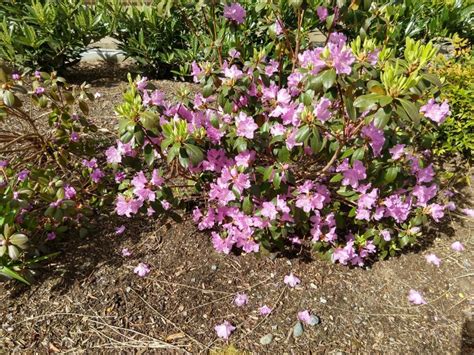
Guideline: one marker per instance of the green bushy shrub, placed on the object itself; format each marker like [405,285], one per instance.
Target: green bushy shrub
[48,34]
[456,135]
[49,178]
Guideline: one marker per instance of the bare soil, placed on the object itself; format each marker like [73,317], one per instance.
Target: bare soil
[89,299]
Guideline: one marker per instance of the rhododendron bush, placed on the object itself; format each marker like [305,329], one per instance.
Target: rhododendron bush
[330,154]
[50,180]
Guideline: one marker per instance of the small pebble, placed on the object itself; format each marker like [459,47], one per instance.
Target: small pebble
[266,339]
[312,285]
[314,320]
[323,300]
[298,329]
[213,267]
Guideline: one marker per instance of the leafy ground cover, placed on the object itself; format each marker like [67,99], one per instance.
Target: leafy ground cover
[90,298]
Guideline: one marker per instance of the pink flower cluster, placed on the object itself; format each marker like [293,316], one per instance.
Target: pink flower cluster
[256,188]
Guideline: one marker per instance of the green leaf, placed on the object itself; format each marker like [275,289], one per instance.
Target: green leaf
[149,120]
[328,78]
[381,117]
[9,99]
[390,174]
[412,111]
[337,178]
[302,134]
[369,100]
[315,141]
[194,152]
[14,275]
[247,205]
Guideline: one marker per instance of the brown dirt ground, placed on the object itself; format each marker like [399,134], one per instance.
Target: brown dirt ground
[88,298]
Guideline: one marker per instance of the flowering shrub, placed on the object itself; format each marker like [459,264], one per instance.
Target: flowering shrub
[48,183]
[328,155]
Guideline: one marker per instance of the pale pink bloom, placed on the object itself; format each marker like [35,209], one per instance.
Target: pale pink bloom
[246,126]
[224,330]
[241,299]
[291,280]
[457,246]
[468,212]
[235,12]
[126,252]
[433,259]
[322,13]
[264,310]
[142,270]
[119,230]
[304,316]
[415,297]
[436,112]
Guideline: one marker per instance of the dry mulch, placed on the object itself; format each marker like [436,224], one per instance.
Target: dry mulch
[89,299]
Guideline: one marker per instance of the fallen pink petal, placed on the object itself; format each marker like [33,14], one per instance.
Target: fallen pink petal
[224,330]
[415,297]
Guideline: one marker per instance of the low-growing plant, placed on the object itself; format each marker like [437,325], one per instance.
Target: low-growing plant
[50,181]
[47,34]
[331,154]
[456,134]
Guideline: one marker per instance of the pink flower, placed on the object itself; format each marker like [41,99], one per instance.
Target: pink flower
[436,211]
[126,252]
[322,109]
[75,137]
[246,126]
[224,330]
[142,270]
[468,212]
[269,210]
[233,73]
[113,155]
[241,299]
[341,57]
[127,206]
[376,137]
[120,230]
[196,71]
[69,192]
[142,83]
[353,175]
[457,246]
[436,112]
[97,175]
[386,235]
[415,297]
[264,310]
[22,175]
[51,236]
[222,245]
[291,280]
[433,259]
[397,208]
[424,193]
[278,27]
[322,13]
[397,151]
[304,316]
[39,90]
[235,12]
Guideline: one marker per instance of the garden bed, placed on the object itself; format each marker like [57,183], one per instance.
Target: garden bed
[90,298]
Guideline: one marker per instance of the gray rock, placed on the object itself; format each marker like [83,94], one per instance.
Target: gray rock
[314,320]
[298,329]
[266,339]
